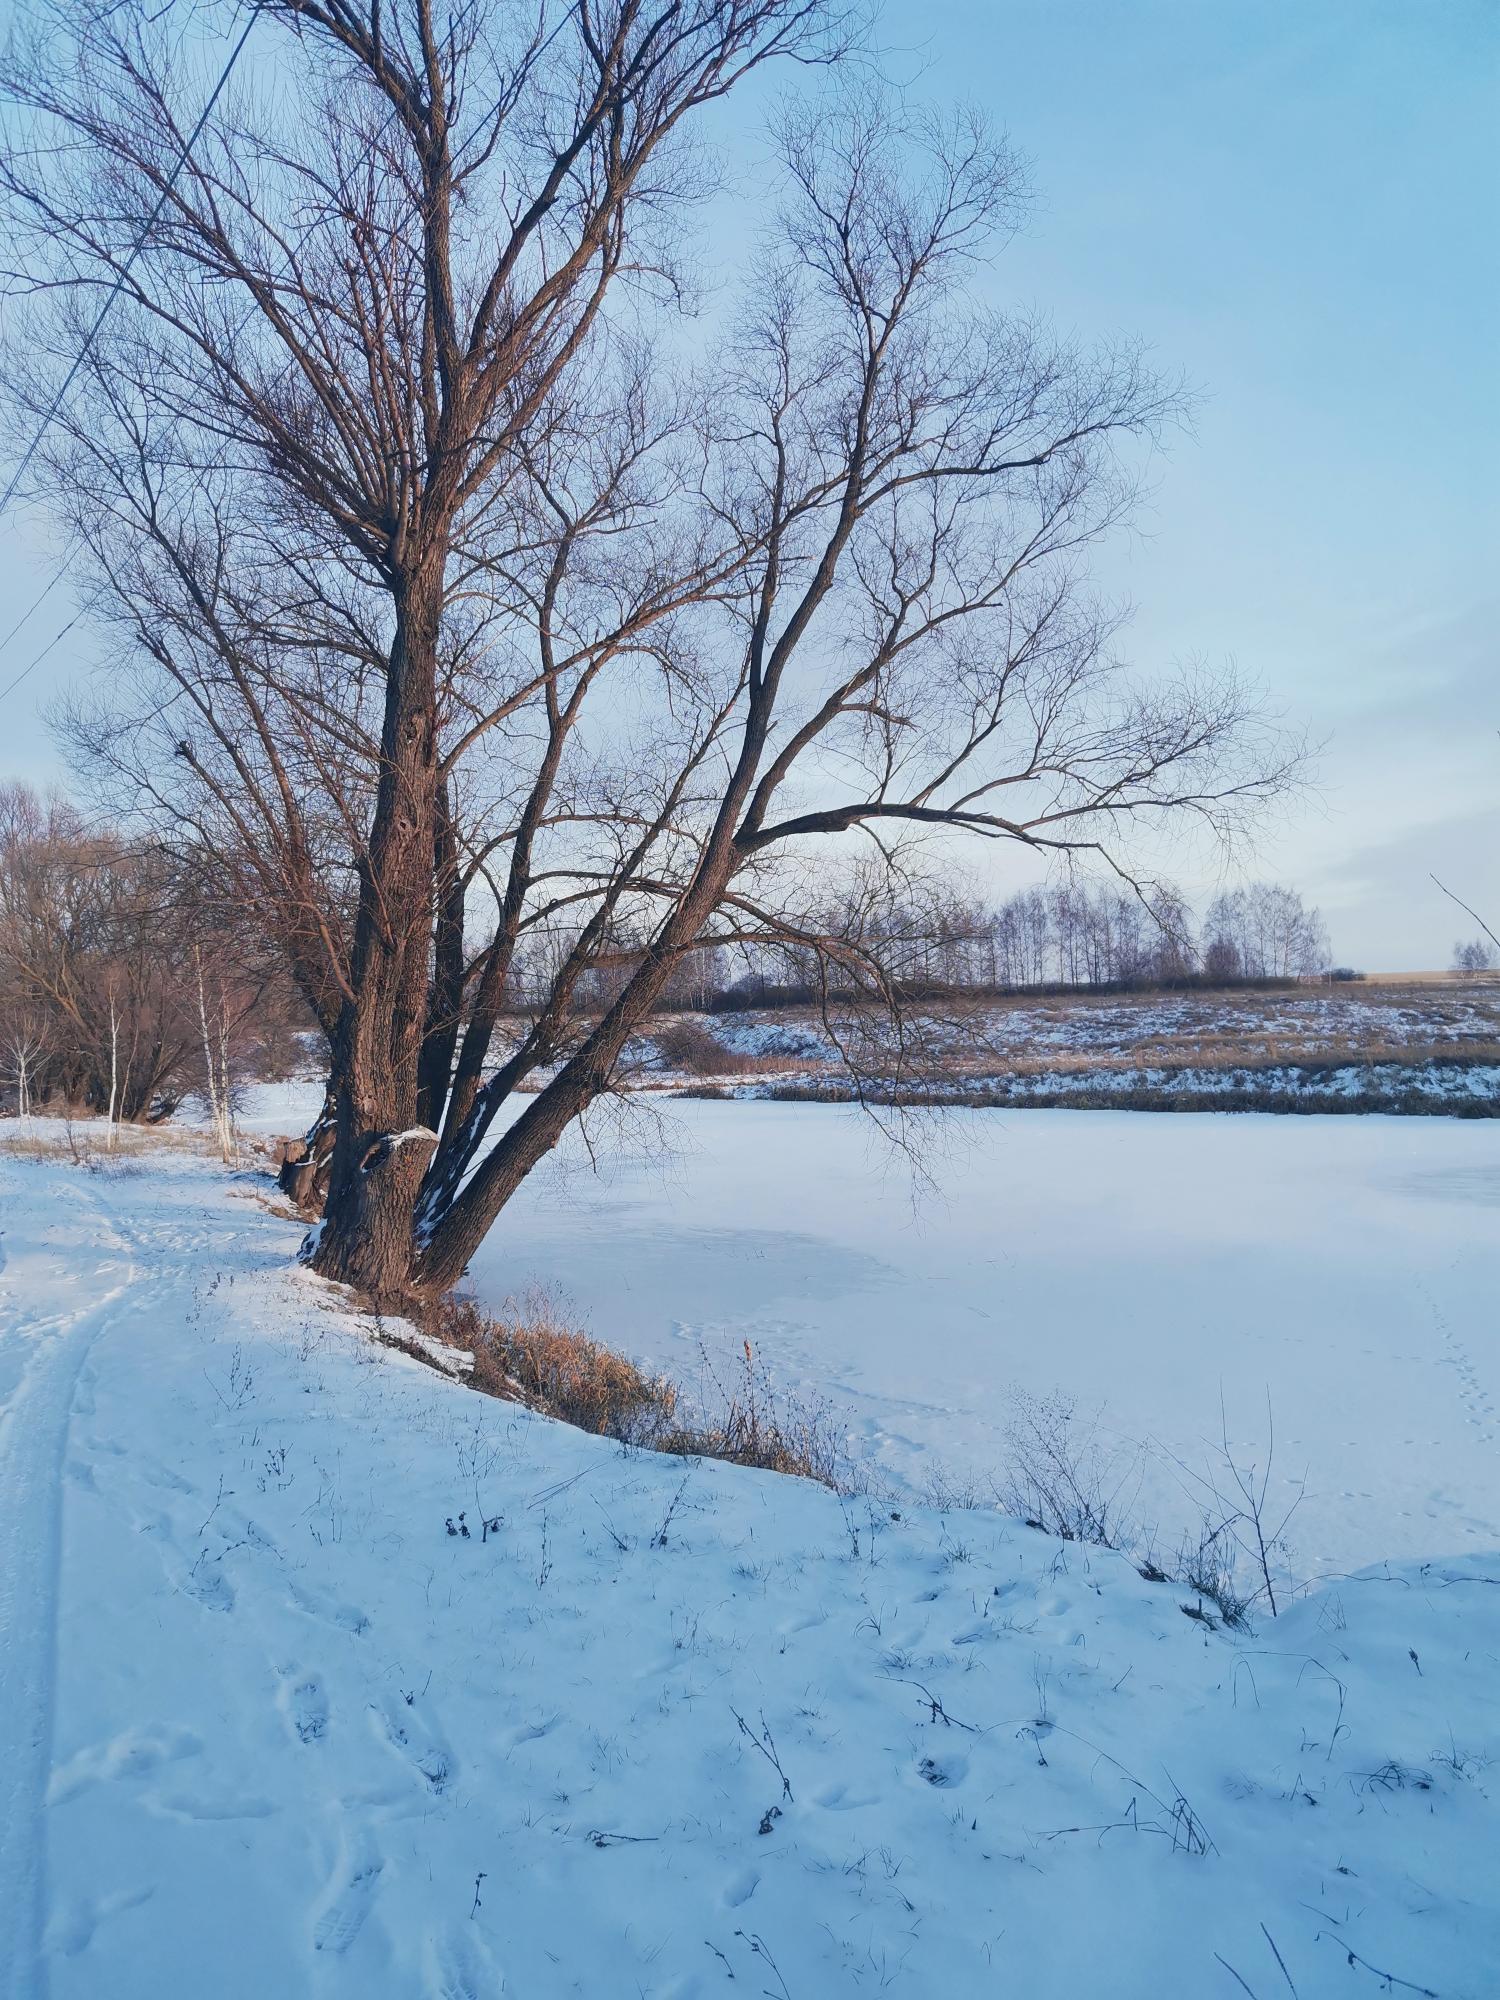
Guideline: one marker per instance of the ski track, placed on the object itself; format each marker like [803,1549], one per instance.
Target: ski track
[51,1359]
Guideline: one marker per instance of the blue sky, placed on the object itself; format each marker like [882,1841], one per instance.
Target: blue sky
[1297,204]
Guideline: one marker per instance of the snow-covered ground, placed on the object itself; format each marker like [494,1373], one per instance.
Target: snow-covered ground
[1316,1020]
[1147,1266]
[268,1727]
[1399,1049]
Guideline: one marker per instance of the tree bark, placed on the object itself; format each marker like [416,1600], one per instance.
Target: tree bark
[440,1260]
[377,1163]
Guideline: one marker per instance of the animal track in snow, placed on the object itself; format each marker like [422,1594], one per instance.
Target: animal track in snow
[1478,1407]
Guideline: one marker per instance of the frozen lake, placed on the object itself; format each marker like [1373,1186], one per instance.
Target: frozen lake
[1145,1265]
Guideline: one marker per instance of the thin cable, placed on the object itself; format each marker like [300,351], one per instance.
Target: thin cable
[125,269]
[54,641]
[35,605]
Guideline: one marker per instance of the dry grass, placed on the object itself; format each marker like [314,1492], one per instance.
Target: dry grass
[87,1143]
[528,1354]
[1062,1478]
[751,1422]
[694,1050]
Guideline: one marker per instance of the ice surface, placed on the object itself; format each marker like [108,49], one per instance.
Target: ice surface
[1145,1265]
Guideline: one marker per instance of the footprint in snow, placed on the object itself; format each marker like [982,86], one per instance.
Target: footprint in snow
[177,1805]
[942,1772]
[740,1888]
[347,1903]
[532,1732]
[207,1582]
[412,1739]
[305,1707]
[71,1928]
[839,1798]
[314,1605]
[460,1967]
[164,1477]
[128,1755]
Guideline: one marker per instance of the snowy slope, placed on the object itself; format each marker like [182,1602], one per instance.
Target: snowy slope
[271,1729]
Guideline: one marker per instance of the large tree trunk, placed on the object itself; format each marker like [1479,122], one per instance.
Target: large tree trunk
[446,994]
[380,1150]
[448,1242]
[304,1170]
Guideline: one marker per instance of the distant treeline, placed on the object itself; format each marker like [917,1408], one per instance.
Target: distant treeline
[751,993]
[1058,940]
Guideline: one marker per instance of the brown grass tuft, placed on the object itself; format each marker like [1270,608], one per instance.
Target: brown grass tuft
[694,1050]
[530,1355]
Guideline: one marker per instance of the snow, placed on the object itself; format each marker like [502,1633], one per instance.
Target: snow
[1347,1267]
[1400,1050]
[268,1727]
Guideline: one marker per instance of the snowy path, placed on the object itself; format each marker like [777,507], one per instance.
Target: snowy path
[301,1740]
[70,1254]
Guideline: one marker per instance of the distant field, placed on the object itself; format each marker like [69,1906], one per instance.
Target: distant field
[1420,1044]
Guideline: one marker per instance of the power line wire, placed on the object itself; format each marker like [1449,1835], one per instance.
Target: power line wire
[72,374]
[35,605]
[125,269]
[56,640]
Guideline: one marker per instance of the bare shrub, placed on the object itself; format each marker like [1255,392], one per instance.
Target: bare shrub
[952,1493]
[692,1049]
[1062,1478]
[1251,1530]
[530,1356]
[1206,1563]
[751,1422]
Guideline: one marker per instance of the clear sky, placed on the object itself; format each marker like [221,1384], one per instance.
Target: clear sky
[1298,203]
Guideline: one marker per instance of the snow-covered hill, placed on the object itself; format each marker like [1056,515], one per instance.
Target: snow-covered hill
[269,1726]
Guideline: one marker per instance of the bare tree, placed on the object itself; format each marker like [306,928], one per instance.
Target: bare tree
[356,297]
[103,947]
[24,1044]
[1474,955]
[84,964]
[1263,932]
[1482,952]
[498,642]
